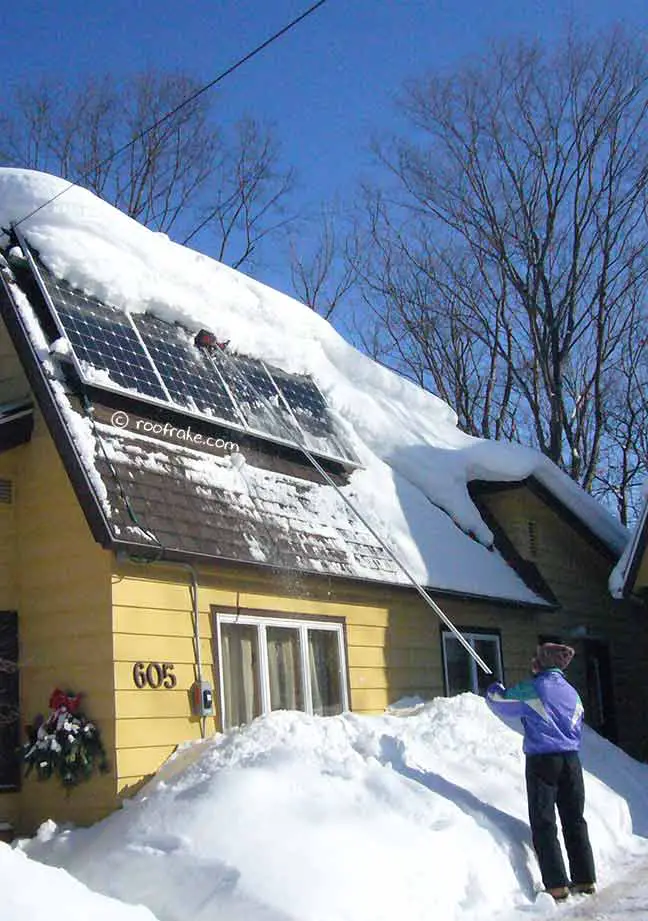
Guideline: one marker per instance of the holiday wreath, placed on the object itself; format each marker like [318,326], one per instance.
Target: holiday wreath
[66,743]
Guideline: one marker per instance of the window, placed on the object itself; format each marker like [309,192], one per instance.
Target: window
[461,672]
[272,663]
[9,702]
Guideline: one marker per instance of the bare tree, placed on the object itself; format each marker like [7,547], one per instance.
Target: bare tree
[223,191]
[323,272]
[507,258]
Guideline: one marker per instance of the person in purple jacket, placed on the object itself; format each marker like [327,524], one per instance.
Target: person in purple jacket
[552,716]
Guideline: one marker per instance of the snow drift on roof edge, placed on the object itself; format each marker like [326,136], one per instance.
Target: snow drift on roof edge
[389,420]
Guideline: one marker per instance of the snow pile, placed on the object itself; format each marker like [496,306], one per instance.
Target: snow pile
[406,439]
[30,891]
[350,818]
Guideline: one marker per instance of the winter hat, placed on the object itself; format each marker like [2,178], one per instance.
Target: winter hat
[552,655]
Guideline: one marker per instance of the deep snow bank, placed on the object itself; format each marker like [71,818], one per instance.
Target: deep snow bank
[352,817]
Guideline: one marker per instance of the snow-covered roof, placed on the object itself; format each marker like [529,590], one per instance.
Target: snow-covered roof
[411,486]
[625,571]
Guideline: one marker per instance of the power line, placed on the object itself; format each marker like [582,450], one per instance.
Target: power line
[181,105]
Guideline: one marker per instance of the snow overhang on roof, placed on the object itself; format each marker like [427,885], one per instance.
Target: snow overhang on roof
[623,579]
[410,484]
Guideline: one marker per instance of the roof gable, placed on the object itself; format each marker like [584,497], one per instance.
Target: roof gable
[630,575]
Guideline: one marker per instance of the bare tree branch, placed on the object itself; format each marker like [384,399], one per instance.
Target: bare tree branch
[223,191]
[507,268]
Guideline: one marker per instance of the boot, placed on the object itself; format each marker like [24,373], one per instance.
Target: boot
[559,893]
[583,888]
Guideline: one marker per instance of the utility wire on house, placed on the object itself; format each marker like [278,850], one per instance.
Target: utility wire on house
[185,102]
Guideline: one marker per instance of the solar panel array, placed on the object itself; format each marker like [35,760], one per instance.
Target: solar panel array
[158,361]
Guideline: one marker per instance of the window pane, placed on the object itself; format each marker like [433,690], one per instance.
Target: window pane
[457,666]
[240,674]
[488,650]
[284,666]
[325,672]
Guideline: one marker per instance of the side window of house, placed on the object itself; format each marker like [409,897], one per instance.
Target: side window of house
[270,663]
[9,702]
[461,672]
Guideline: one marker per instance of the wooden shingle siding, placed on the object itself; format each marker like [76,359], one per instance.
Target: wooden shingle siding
[641,582]
[578,575]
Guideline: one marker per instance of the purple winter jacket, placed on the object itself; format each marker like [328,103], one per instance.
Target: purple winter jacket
[549,707]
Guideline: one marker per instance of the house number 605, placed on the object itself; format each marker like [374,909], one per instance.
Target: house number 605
[154,674]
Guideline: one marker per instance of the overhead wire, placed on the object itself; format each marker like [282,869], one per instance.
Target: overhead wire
[185,102]
[309,456]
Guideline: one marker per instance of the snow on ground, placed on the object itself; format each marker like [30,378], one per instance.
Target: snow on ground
[416,462]
[30,891]
[416,814]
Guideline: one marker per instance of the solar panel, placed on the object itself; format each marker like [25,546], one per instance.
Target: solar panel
[311,412]
[103,340]
[257,396]
[190,377]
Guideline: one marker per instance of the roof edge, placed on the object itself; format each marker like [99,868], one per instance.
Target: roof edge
[551,499]
[636,552]
[49,407]
[148,553]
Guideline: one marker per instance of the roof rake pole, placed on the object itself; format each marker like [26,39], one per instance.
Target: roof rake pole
[417,585]
[331,482]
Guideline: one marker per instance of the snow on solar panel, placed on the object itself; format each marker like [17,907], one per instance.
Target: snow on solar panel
[257,396]
[190,377]
[311,412]
[159,361]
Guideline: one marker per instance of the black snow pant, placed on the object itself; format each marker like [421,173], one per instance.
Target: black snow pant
[556,780]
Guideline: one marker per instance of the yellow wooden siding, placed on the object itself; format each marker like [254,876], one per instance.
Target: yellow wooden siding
[61,591]
[150,648]
[136,764]
[149,733]
[9,466]
[153,622]
[393,648]
[87,803]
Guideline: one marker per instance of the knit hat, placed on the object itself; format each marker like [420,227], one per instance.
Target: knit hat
[551,655]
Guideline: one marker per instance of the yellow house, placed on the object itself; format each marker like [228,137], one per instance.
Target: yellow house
[186,543]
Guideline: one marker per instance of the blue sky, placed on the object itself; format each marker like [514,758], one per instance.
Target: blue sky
[327,86]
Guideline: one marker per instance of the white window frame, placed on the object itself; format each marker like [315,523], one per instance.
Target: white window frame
[302,625]
[470,637]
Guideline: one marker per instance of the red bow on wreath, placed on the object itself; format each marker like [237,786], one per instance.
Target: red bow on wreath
[59,700]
